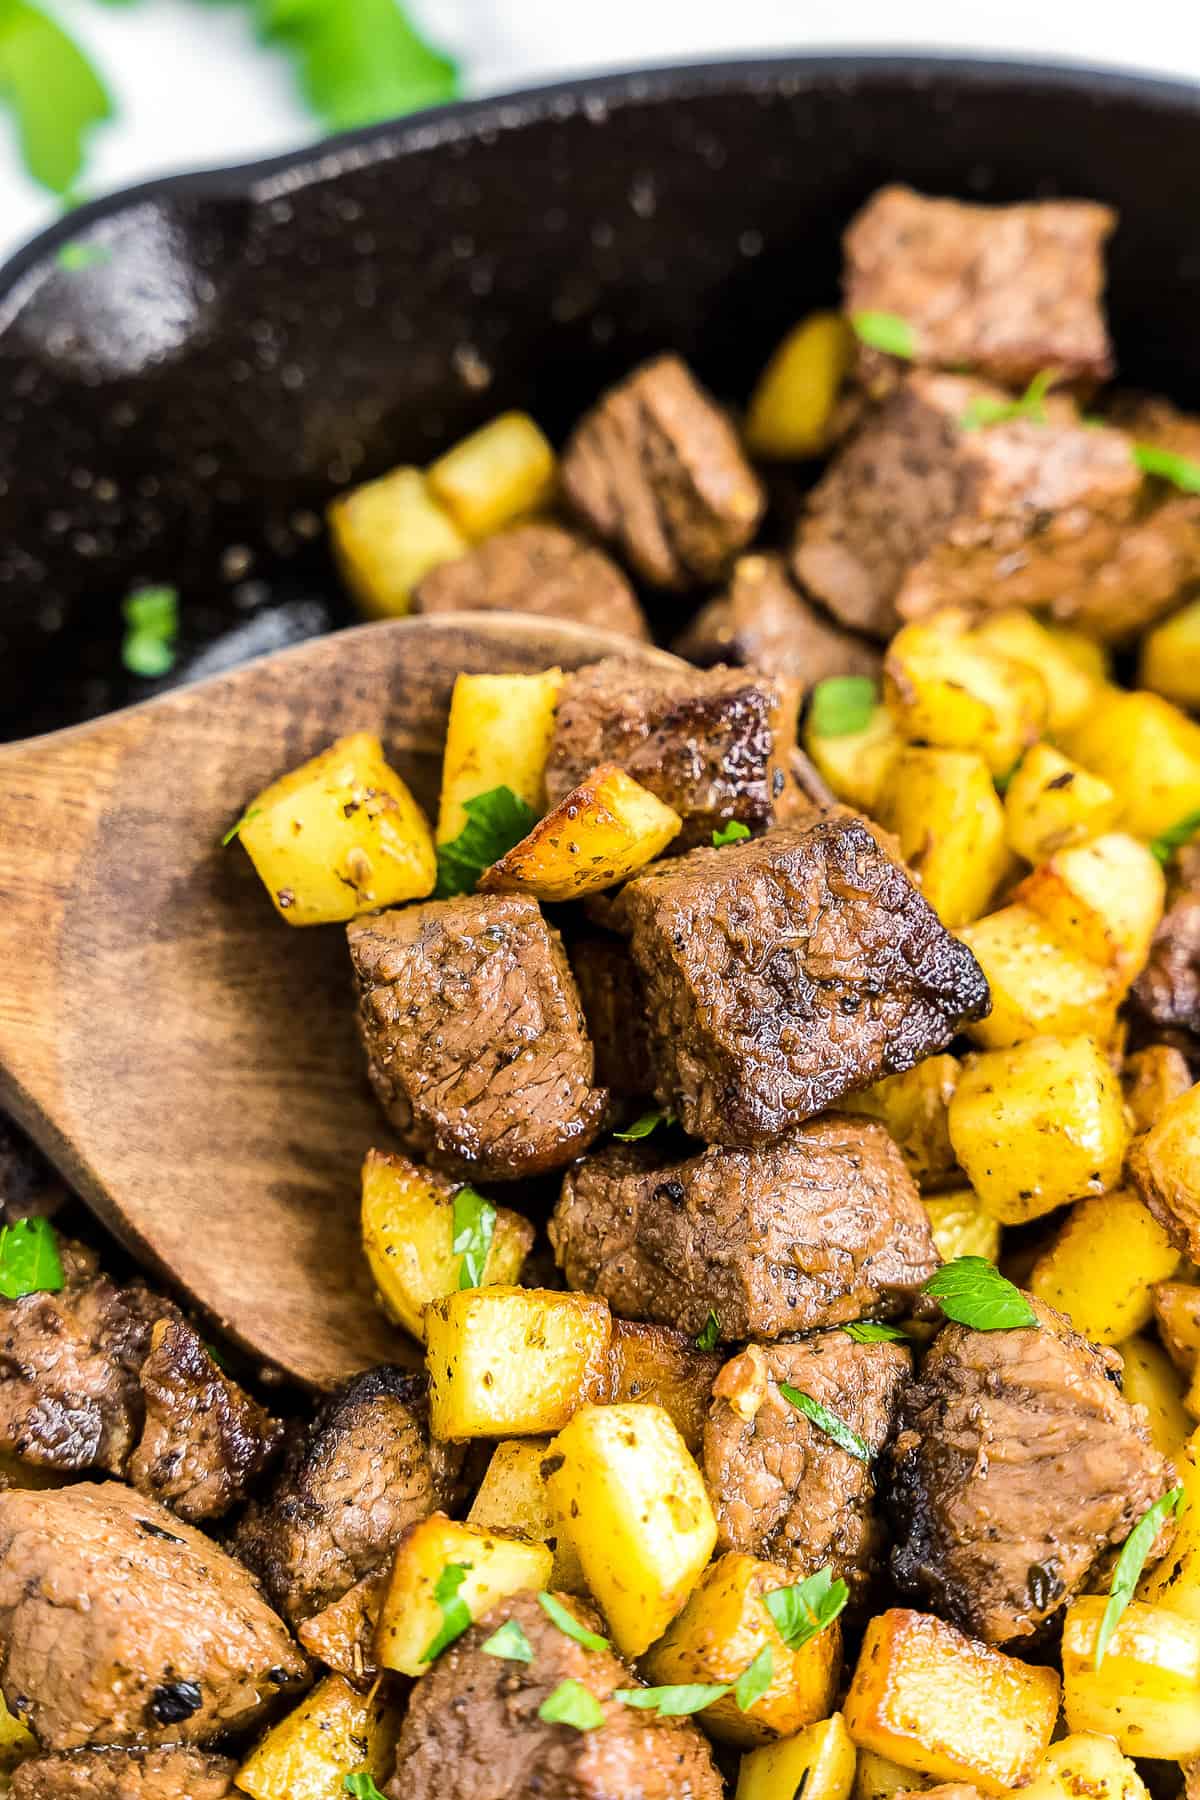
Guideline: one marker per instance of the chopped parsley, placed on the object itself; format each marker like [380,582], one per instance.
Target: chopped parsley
[733,833]
[1130,1564]
[358,62]
[29,1259]
[885,331]
[509,1643]
[643,1126]
[53,93]
[874,1331]
[569,1625]
[802,1611]
[1175,837]
[361,1786]
[674,1702]
[151,617]
[495,822]
[1181,471]
[710,1336]
[474,1226]
[972,1291]
[236,830]
[754,1681]
[1031,405]
[843,1435]
[455,1612]
[841,705]
[572,1704]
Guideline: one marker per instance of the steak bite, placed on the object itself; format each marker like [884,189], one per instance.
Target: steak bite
[351,1485]
[538,569]
[921,511]
[786,971]
[782,1489]
[472,1730]
[614,1006]
[656,470]
[1167,992]
[714,744]
[824,1227]
[178,1774]
[762,621]
[1017,1464]
[475,1037]
[121,1625]
[1004,291]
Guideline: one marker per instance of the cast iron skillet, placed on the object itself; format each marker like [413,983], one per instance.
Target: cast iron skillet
[251,340]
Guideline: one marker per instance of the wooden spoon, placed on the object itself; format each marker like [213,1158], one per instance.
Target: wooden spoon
[188,1061]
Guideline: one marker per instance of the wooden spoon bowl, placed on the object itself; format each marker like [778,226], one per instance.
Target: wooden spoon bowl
[188,1061]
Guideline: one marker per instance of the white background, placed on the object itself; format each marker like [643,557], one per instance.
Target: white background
[194,88]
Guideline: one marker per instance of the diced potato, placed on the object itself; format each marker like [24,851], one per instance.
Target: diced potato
[1165,1166]
[1148,752]
[855,763]
[513,1362]
[720,1631]
[1039,986]
[498,735]
[386,535]
[1146,1692]
[497,475]
[960,1225]
[1177,1310]
[818,1763]
[408,1235]
[601,833]
[1070,686]
[1170,657]
[1103,899]
[915,1106]
[338,836]
[792,408]
[410,1614]
[1151,1079]
[1083,652]
[16,1740]
[878,1778]
[656,1363]
[1085,1767]
[1038,1125]
[944,689]
[638,1514]
[1052,802]
[947,815]
[342,1634]
[335,1732]
[1151,1380]
[512,1498]
[1173,1581]
[935,1700]
[1102,1267]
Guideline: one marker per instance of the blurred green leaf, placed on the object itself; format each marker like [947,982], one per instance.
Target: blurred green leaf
[358,60]
[53,93]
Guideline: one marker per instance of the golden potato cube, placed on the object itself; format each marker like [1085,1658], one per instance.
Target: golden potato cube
[1152,1380]
[1102,1267]
[512,1498]
[1052,802]
[960,1226]
[942,806]
[855,763]
[601,833]
[498,735]
[497,475]
[935,1700]
[914,1106]
[16,1740]
[1070,685]
[1103,899]
[878,1778]
[411,1616]
[1146,1692]
[1165,1166]
[818,1763]
[1173,1581]
[661,1365]
[338,836]
[943,689]
[1170,657]
[1038,1125]
[720,1631]
[408,1236]
[1150,1080]
[792,408]
[386,535]
[342,1634]
[1177,1312]
[335,1732]
[1085,653]
[513,1362]
[1085,1765]
[637,1512]
[1039,986]
[1148,752]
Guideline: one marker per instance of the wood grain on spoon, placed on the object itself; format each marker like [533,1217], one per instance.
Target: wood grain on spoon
[188,1061]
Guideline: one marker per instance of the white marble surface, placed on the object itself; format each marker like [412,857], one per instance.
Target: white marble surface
[195,89]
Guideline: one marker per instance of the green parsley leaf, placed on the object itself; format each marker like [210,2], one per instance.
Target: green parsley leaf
[805,1609]
[151,620]
[643,1126]
[754,1681]
[474,1227]
[885,331]
[673,1702]
[843,1435]
[972,1291]
[874,1331]
[455,1614]
[495,822]
[235,830]
[1031,405]
[29,1259]
[569,1625]
[509,1643]
[733,833]
[572,1704]
[1131,1562]
[361,1786]
[710,1336]
[1181,471]
[841,705]
[54,94]
[1175,837]
[358,63]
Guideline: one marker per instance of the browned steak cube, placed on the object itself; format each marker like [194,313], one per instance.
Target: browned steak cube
[819,1229]
[614,1005]
[351,1485]
[1167,992]
[126,1775]
[712,743]
[475,1037]
[656,470]
[539,569]
[119,1624]
[472,1730]
[921,510]
[762,621]
[781,1487]
[786,971]
[1017,1464]
[1002,290]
